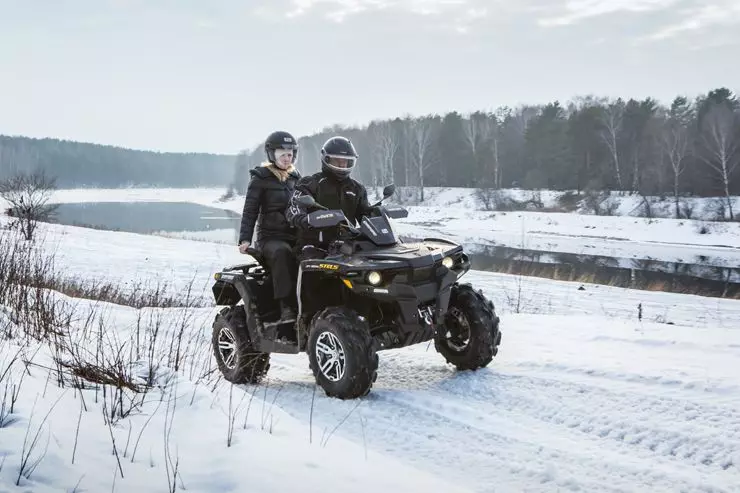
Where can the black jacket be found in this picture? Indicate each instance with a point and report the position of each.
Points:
(348, 195)
(267, 198)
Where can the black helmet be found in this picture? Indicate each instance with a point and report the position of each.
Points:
(338, 148)
(280, 140)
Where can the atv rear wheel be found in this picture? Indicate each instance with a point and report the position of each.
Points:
(236, 358)
(470, 335)
(341, 353)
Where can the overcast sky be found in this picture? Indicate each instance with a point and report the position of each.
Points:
(218, 76)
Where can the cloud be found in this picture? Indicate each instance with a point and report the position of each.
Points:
(467, 18)
(702, 16)
(458, 15)
(677, 17)
(578, 10)
(340, 9)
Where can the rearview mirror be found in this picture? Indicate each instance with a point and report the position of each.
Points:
(397, 212)
(389, 190)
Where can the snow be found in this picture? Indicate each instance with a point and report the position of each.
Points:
(134, 259)
(573, 403)
(270, 452)
(614, 236)
(703, 208)
(452, 213)
(583, 396)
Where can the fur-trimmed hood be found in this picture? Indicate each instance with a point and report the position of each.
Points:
(281, 175)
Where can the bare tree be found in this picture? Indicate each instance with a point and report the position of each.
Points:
(721, 143)
(675, 142)
(406, 149)
(494, 141)
(384, 144)
(612, 123)
(477, 129)
(28, 194)
(421, 132)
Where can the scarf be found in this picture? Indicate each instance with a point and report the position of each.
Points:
(281, 174)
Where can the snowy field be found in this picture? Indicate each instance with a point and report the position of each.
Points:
(447, 197)
(453, 213)
(56, 441)
(583, 395)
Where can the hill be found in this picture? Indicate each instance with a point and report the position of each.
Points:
(80, 165)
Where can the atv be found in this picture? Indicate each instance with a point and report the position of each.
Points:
(368, 291)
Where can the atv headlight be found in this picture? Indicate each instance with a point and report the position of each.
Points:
(374, 278)
(448, 262)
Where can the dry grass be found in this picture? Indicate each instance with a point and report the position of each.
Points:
(25, 269)
(116, 365)
(86, 350)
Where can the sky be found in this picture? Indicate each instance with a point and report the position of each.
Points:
(219, 76)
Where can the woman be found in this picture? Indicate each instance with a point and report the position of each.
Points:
(268, 194)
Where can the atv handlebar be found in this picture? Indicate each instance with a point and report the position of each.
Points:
(348, 228)
(327, 218)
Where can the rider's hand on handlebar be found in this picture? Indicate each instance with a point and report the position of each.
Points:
(243, 247)
(349, 228)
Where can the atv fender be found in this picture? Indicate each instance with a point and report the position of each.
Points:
(409, 297)
(230, 288)
(446, 279)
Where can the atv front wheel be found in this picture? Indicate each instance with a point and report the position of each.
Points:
(470, 335)
(236, 358)
(341, 353)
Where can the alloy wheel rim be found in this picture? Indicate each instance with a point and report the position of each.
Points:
(227, 347)
(330, 356)
(458, 337)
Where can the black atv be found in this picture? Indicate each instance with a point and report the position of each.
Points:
(367, 292)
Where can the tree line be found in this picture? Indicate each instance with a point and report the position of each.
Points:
(689, 147)
(686, 147)
(77, 164)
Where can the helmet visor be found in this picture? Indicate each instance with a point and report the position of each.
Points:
(284, 153)
(340, 162)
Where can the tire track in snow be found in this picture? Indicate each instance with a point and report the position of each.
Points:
(489, 429)
(702, 433)
(695, 390)
(481, 460)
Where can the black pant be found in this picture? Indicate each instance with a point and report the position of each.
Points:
(283, 266)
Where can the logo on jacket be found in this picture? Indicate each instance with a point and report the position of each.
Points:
(350, 192)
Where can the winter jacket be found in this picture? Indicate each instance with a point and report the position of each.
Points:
(265, 204)
(348, 195)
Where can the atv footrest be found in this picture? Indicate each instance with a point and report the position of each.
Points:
(282, 345)
(279, 324)
(280, 336)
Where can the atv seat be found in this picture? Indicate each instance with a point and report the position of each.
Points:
(257, 255)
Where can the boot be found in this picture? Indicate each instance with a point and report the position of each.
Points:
(287, 314)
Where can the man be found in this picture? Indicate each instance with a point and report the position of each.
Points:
(268, 194)
(331, 187)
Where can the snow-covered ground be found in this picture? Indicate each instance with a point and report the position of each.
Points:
(182, 428)
(583, 396)
(453, 213)
(446, 197)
